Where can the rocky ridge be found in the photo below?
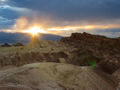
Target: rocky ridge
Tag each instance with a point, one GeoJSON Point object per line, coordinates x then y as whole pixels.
{"type": "Point", "coordinates": [105, 50]}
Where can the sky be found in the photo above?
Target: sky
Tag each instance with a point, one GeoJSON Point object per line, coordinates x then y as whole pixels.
{"type": "Point", "coordinates": [61, 17]}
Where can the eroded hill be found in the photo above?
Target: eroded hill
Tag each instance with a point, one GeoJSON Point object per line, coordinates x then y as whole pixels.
{"type": "Point", "coordinates": [79, 49]}
{"type": "Point", "coordinates": [105, 51]}
{"type": "Point", "coordinates": [55, 76]}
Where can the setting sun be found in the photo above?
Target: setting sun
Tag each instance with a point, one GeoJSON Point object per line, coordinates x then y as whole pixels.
{"type": "Point", "coordinates": [35, 30]}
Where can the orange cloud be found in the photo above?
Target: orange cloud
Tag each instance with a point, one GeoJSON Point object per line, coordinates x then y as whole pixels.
{"type": "Point", "coordinates": [23, 25]}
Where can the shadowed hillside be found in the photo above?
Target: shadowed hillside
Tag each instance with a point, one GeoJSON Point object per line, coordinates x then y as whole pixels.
{"type": "Point", "coordinates": [105, 51]}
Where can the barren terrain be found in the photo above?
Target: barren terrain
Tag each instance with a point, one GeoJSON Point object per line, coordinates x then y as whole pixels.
{"type": "Point", "coordinates": [79, 62]}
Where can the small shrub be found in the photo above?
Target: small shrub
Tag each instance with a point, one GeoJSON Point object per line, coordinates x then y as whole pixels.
{"type": "Point", "coordinates": [5, 45]}
{"type": "Point", "coordinates": [17, 44]}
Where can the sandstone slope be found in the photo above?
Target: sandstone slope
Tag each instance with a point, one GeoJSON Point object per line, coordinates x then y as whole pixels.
{"type": "Point", "coordinates": [55, 76]}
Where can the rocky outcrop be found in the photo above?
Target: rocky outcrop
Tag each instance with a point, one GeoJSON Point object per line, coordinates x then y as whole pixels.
{"type": "Point", "coordinates": [19, 59]}
{"type": "Point", "coordinates": [53, 76]}
{"type": "Point", "coordinates": [86, 37]}
{"type": "Point", "coordinates": [17, 44]}
{"type": "Point", "coordinates": [105, 51]}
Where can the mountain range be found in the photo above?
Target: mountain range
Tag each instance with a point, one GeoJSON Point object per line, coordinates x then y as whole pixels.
{"type": "Point", "coordinates": [25, 38]}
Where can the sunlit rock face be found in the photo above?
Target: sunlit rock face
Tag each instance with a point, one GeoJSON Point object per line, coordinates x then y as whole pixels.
{"type": "Point", "coordinates": [55, 76]}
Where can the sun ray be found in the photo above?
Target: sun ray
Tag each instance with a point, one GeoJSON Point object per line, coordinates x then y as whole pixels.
{"type": "Point", "coordinates": [35, 30]}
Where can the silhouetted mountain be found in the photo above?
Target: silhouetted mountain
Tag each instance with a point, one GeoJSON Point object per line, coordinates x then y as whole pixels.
{"type": "Point", "coordinates": [24, 38]}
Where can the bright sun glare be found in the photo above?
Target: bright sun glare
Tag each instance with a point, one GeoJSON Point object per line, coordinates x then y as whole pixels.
{"type": "Point", "coordinates": [35, 30]}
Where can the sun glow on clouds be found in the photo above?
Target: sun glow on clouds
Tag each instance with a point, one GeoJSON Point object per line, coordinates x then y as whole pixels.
{"type": "Point", "coordinates": [84, 27]}
{"type": "Point", "coordinates": [34, 27]}
{"type": "Point", "coordinates": [3, 0]}
{"type": "Point", "coordinates": [35, 30]}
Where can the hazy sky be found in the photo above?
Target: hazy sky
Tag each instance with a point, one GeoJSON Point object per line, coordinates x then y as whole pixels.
{"type": "Point", "coordinates": [103, 15]}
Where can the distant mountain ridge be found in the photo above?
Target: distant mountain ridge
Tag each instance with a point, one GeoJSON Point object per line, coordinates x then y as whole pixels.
{"type": "Point", "coordinates": [24, 38]}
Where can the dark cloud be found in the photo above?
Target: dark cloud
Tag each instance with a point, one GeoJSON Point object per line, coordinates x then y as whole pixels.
{"type": "Point", "coordinates": [72, 10]}
{"type": "Point", "coordinates": [7, 18]}
{"type": "Point", "coordinates": [9, 14]}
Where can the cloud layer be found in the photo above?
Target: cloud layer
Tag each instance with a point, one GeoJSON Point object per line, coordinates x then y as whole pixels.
{"type": "Point", "coordinates": [64, 13]}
